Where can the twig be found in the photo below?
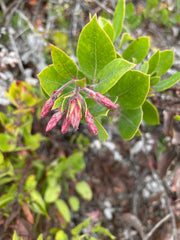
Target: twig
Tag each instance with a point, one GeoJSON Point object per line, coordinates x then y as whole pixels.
{"type": "Point", "coordinates": [21, 14]}
{"type": "Point", "coordinates": [163, 220]}
{"type": "Point", "coordinates": [103, 6]}
{"type": "Point", "coordinates": [173, 220]}
{"type": "Point", "coordinates": [13, 43]}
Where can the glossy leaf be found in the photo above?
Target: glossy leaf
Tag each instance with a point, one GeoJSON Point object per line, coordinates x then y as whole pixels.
{"type": "Point", "coordinates": [15, 236]}
{"type": "Point", "coordinates": [132, 89]}
{"type": "Point", "coordinates": [84, 190]}
{"type": "Point", "coordinates": [102, 134]}
{"type": "Point", "coordinates": [137, 50]}
{"type": "Point", "coordinates": [166, 58]}
{"type": "Point", "coordinates": [94, 49]}
{"type": "Point", "coordinates": [167, 83]}
{"type": "Point", "coordinates": [63, 64]}
{"type": "Point", "coordinates": [150, 113]}
{"type": "Point", "coordinates": [153, 61]}
{"type": "Point", "coordinates": [50, 80]}
{"type": "Point", "coordinates": [177, 117]}
{"type": "Point", "coordinates": [129, 122]}
{"type": "Point", "coordinates": [63, 209]}
{"type": "Point", "coordinates": [108, 78]}
{"type": "Point", "coordinates": [118, 18]}
{"type": "Point", "coordinates": [6, 199]}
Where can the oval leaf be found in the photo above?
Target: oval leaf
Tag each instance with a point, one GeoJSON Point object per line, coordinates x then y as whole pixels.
{"type": "Point", "coordinates": [118, 18]}
{"type": "Point", "coordinates": [84, 190]}
{"type": "Point", "coordinates": [107, 27]}
{"type": "Point", "coordinates": [108, 78]}
{"type": "Point", "coordinates": [150, 113]}
{"type": "Point", "coordinates": [132, 89]}
{"type": "Point", "coordinates": [126, 37]}
{"type": "Point", "coordinates": [137, 50]}
{"type": "Point", "coordinates": [63, 64]}
{"type": "Point", "coordinates": [167, 83]}
{"type": "Point", "coordinates": [153, 62]}
{"type": "Point", "coordinates": [166, 58]}
{"type": "Point", "coordinates": [102, 134]}
{"type": "Point", "coordinates": [63, 209]}
{"type": "Point", "coordinates": [94, 49]}
{"type": "Point", "coordinates": [50, 80]}
{"type": "Point", "coordinates": [129, 122]}
{"type": "Point", "coordinates": [74, 203]}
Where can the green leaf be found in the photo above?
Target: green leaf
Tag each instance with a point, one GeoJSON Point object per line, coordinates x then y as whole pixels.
{"type": "Point", "coordinates": [84, 190]}
{"type": "Point", "coordinates": [132, 89]}
{"type": "Point", "coordinates": [15, 236]}
{"type": "Point", "coordinates": [40, 237]}
{"type": "Point", "coordinates": [7, 198]}
{"type": "Point", "coordinates": [150, 113]}
{"type": "Point", "coordinates": [151, 4]}
{"type": "Point", "coordinates": [74, 203]}
{"type": "Point", "coordinates": [38, 203]}
{"type": "Point", "coordinates": [107, 27]}
{"type": "Point", "coordinates": [167, 83]}
{"type": "Point", "coordinates": [102, 134]}
{"type": "Point", "coordinates": [144, 67]}
{"type": "Point", "coordinates": [97, 109]}
{"type": "Point", "coordinates": [153, 61]}
{"type": "Point", "coordinates": [63, 209]}
{"type": "Point", "coordinates": [118, 18]}
{"type": "Point", "coordinates": [137, 50]}
{"type": "Point", "coordinates": [63, 64]}
{"type": "Point", "coordinates": [94, 49]}
{"type": "Point", "coordinates": [52, 191]}
{"type": "Point", "coordinates": [129, 122]}
{"type": "Point", "coordinates": [1, 158]}
{"type": "Point", "coordinates": [79, 227]}
{"type": "Point", "coordinates": [154, 80]}
{"type": "Point", "coordinates": [108, 78]}
{"type": "Point", "coordinates": [177, 117]}
{"type": "Point", "coordinates": [126, 37]}
{"type": "Point", "coordinates": [99, 229]}
{"type": "Point", "coordinates": [7, 143]}
{"type": "Point", "coordinates": [50, 80]}
{"type": "Point", "coordinates": [61, 235]}
{"type": "Point", "coordinates": [166, 58]}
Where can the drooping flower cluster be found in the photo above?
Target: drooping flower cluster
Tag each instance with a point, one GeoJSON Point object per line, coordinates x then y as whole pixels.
{"type": "Point", "coordinates": [72, 113]}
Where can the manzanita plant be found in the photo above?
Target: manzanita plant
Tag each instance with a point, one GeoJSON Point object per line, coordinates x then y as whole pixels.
{"type": "Point", "coordinates": [107, 78]}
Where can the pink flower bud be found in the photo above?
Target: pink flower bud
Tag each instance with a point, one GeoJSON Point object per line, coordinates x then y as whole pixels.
{"type": "Point", "coordinates": [74, 113]}
{"type": "Point", "coordinates": [65, 125]}
{"type": "Point", "coordinates": [92, 127]}
{"type": "Point", "coordinates": [104, 100]}
{"type": "Point", "coordinates": [54, 120]}
{"type": "Point", "coordinates": [46, 108]}
{"type": "Point", "coordinates": [90, 120]}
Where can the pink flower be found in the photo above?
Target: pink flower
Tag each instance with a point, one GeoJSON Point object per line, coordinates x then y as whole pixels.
{"type": "Point", "coordinates": [104, 100]}
{"type": "Point", "coordinates": [65, 125]}
{"type": "Point", "coordinates": [46, 108]}
{"type": "Point", "coordinates": [54, 119]}
{"type": "Point", "coordinates": [90, 120]}
{"type": "Point", "coordinates": [74, 113]}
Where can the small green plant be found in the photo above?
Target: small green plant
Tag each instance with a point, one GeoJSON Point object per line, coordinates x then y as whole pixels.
{"type": "Point", "coordinates": [27, 182]}
{"type": "Point", "coordinates": [105, 80]}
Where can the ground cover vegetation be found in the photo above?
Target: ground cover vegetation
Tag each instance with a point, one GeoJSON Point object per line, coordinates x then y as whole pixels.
{"type": "Point", "coordinates": [58, 177]}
